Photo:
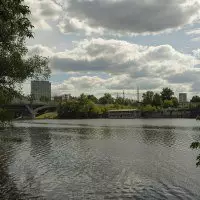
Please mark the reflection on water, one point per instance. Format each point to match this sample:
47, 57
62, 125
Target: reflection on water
151, 135
40, 141
8, 188
126, 159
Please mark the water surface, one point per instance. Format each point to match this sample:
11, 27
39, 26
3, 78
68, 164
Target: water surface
100, 159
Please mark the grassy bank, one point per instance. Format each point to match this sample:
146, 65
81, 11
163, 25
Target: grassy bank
50, 115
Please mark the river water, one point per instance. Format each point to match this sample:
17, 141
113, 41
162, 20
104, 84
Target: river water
100, 159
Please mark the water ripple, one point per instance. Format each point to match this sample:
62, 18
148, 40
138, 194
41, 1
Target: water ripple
99, 159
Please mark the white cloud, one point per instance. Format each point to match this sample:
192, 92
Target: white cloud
43, 11
40, 50
115, 84
114, 56
119, 65
128, 16
193, 32
72, 25
196, 39
196, 53
115, 17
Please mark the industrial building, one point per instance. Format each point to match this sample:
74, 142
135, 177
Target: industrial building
124, 114
182, 97
41, 90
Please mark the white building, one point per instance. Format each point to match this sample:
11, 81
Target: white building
182, 97
63, 97
41, 89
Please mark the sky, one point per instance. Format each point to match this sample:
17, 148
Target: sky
98, 46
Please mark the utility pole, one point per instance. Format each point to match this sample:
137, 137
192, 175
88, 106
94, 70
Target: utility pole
123, 95
138, 94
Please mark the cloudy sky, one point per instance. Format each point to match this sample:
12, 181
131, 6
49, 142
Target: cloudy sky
98, 46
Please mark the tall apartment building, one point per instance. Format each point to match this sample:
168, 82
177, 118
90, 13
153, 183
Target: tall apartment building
182, 97
41, 89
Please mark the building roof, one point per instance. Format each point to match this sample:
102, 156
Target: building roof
123, 110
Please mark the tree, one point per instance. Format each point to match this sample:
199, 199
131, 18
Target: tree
92, 98
195, 99
167, 94
15, 65
167, 104
83, 99
119, 100
81, 108
175, 102
196, 145
148, 98
106, 99
157, 100
149, 108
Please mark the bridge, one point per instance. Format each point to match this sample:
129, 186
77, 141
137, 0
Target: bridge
29, 111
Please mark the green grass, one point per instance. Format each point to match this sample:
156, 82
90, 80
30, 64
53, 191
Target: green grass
50, 115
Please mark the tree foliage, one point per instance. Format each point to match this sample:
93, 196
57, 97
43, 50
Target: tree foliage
167, 94
165, 99
106, 99
79, 109
15, 65
157, 100
149, 108
168, 104
92, 98
195, 99
148, 98
175, 102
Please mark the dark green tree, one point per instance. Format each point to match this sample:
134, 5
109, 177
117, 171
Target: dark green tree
92, 98
195, 99
148, 98
83, 99
175, 102
157, 100
119, 100
106, 99
167, 94
15, 65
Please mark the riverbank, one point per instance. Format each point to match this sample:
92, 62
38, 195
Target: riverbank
50, 115
128, 114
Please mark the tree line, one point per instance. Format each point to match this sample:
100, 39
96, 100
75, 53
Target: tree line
164, 99
89, 106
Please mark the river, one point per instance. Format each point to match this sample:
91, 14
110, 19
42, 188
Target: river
100, 159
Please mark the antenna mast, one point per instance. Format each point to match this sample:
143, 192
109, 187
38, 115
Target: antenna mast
123, 94
138, 94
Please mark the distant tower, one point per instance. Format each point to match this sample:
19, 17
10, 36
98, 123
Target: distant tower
138, 94
117, 95
182, 97
41, 89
